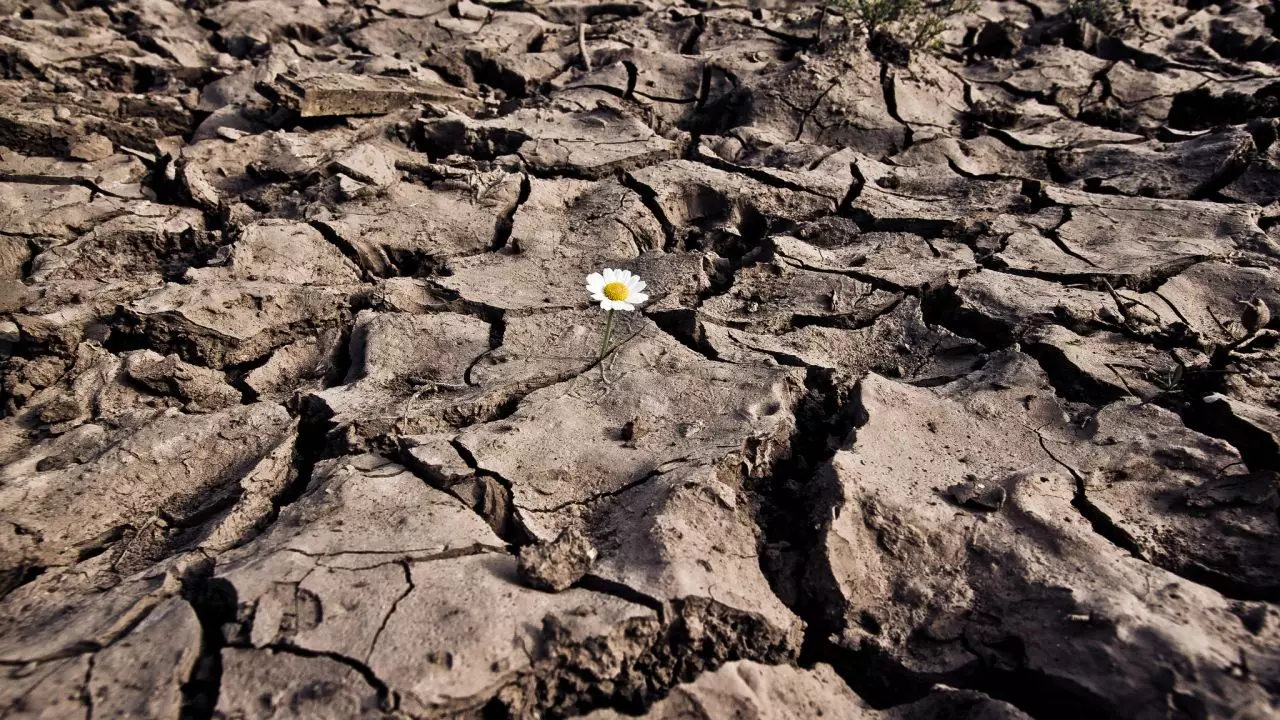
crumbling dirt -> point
(956, 394)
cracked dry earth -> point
(956, 396)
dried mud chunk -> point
(363, 510)
(435, 458)
(139, 674)
(660, 76)
(282, 279)
(61, 315)
(54, 211)
(217, 173)
(1141, 466)
(90, 148)
(903, 557)
(333, 94)
(723, 211)
(42, 119)
(411, 229)
(581, 149)
(1102, 367)
(564, 231)
(556, 565)
(1257, 184)
(695, 544)
(408, 374)
(561, 447)
(983, 155)
(1150, 96)
(1053, 74)
(466, 649)
(260, 490)
(539, 348)
(591, 144)
(389, 346)
(269, 684)
(150, 240)
(1062, 133)
(927, 198)
(56, 689)
(428, 599)
(93, 381)
(117, 175)
(999, 307)
(204, 390)
(413, 34)
(928, 97)
(898, 343)
(1253, 429)
(1214, 297)
(15, 253)
(169, 466)
(825, 102)
(781, 692)
(571, 462)
(1136, 242)
(282, 251)
(248, 28)
(369, 162)
(309, 359)
(1190, 169)
(668, 85)
(900, 260)
(778, 297)
(227, 323)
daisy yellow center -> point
(616, 291)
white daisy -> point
(616, 289)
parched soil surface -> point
(955, 397)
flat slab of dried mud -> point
(956, 394)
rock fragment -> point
(977, 494)
(327, 95)
(556, 565)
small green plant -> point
(1110, 16)
(916, 24)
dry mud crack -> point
(956, 394)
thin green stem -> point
(608, 330)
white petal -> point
(621, 305)
(638, 298)
(638, 285)
(624, 276)
(598, 296)
(610, 275)
(595, 280)
(606, 304)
